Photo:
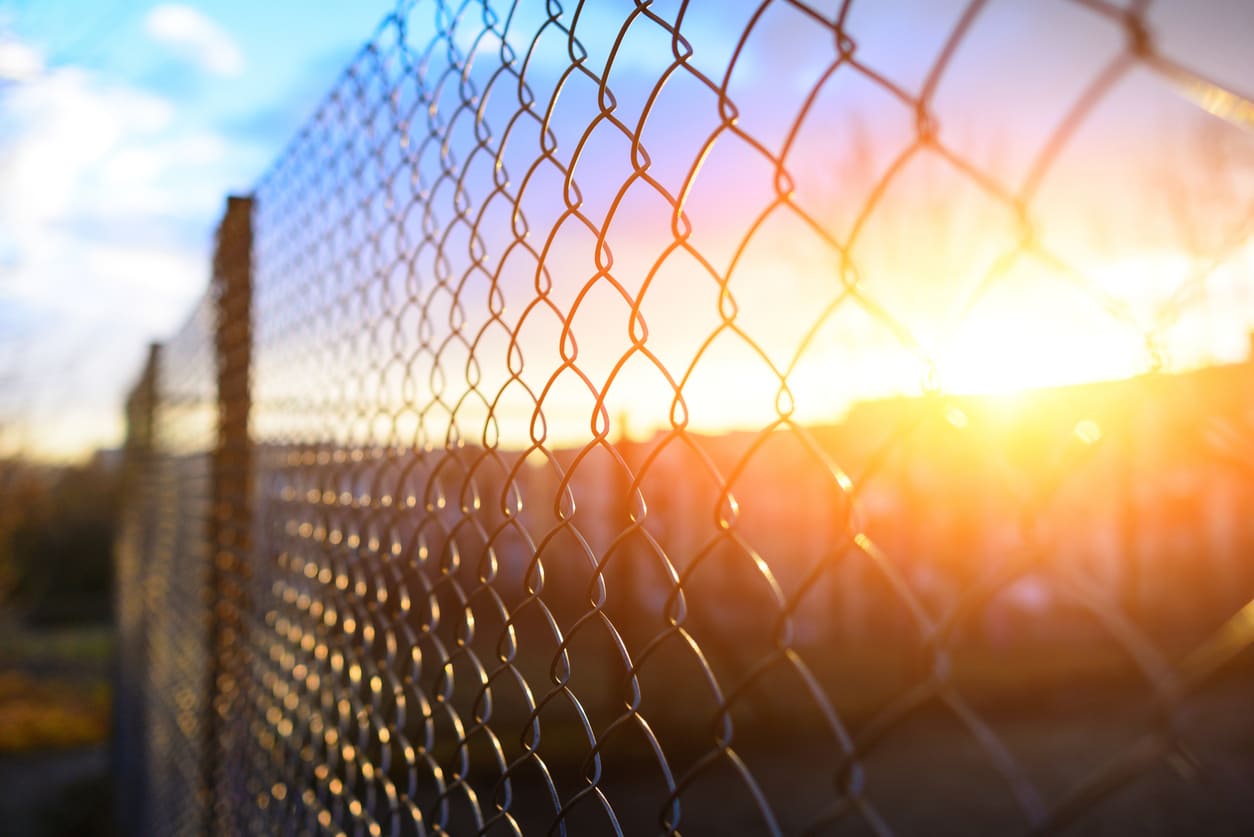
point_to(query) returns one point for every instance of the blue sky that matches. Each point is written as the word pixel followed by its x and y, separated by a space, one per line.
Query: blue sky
pixel 123 126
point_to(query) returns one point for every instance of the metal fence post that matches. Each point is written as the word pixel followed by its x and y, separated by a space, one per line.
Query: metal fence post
pixel 230 516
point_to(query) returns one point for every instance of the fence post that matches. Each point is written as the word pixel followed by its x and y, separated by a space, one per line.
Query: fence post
pixel 231 510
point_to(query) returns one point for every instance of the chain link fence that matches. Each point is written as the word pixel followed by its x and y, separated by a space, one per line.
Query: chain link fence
pixel 700 418
pixel 163 559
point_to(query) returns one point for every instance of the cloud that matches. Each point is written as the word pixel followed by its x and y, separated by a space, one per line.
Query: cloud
pixel 106 202
pixel 19 61
pixel 196 37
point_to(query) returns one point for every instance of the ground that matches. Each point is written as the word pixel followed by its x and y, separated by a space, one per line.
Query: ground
pixel 54 724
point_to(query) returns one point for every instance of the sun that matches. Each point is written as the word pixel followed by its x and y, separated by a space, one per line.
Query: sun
pixel 1034 350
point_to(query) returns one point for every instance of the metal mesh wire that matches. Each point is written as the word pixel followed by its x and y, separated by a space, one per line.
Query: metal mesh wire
pixel 134 544
pixel 168 582
pixel 583 501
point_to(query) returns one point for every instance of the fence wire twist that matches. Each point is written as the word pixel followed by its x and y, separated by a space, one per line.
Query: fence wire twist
pixel 546 521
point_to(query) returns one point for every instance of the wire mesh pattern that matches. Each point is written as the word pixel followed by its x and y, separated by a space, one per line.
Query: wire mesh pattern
pixel 133 545
pixel 167 581
pixel 575 511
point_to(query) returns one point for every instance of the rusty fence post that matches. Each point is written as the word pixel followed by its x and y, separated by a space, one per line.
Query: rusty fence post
pixel 231 510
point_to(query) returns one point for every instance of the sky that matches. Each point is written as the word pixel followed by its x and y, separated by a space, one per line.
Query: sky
pixel 124 125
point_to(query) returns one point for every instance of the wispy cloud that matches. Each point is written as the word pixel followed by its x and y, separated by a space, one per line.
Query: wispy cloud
pixel 195 37
pixel 18 61
pixel 96 176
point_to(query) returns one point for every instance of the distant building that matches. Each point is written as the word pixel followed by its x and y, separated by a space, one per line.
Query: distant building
pixel 1138 494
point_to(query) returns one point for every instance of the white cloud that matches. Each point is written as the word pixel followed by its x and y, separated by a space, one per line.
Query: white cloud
pixel 202 40
pixel 19 61
pixel 68 126
pixel 99 186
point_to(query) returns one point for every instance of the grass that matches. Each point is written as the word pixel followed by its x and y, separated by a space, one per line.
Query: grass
pixel 46 713
pixel 90 645
pixel 54 689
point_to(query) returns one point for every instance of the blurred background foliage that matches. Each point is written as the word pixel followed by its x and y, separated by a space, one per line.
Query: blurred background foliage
pixel 56 645
pixel 56 533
